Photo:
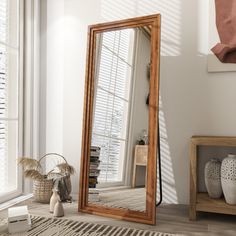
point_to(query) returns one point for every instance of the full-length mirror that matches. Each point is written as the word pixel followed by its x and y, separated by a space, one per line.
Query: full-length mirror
pixel 120 118
pixel 118 174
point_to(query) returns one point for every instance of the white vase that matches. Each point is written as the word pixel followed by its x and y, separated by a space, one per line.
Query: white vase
pixel 53 200
pixel 212 178
pixel 228 178
pixel 58 209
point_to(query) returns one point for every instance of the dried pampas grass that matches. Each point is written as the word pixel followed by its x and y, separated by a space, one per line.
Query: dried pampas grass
pixel 33 169
pixel 29 163
pixel 34 174
pixel 65 168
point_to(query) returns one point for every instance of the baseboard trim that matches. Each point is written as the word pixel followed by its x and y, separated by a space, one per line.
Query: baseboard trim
pixel 15 201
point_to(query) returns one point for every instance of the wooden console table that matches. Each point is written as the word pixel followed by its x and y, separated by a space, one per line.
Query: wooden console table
pixel 201 202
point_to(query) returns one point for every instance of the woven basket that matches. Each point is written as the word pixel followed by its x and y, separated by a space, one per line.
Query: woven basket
pixel 42 189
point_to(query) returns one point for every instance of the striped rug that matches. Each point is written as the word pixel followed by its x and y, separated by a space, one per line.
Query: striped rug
pixel 62 227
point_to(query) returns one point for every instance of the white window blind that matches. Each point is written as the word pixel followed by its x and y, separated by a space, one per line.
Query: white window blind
pixel 9 96
pixel 113 79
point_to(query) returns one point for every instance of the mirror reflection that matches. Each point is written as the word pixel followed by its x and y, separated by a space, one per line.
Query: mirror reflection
pixel 119 145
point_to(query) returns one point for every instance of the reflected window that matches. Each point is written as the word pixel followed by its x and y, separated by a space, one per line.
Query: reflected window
pixel 114 71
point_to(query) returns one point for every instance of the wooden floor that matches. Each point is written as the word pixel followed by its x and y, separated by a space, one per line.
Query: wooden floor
pixel 131 198
pixel 170 219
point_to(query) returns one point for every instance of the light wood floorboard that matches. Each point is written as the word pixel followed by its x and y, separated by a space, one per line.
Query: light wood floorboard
pixel 170 219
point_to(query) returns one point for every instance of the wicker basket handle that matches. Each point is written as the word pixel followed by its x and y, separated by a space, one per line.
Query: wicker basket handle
pixel 54 154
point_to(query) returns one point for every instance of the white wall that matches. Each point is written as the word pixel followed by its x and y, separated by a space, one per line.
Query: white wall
pixel 139 110
pixel 52 78
pixel 192 100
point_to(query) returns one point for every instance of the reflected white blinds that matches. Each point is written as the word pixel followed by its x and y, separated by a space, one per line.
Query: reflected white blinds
pixel 113 79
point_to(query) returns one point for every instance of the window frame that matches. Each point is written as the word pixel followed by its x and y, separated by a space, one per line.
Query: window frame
pixel 20 57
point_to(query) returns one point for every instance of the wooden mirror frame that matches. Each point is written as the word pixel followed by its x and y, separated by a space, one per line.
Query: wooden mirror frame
pixel 149 215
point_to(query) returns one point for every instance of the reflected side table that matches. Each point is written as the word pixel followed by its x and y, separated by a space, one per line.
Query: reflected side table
pixel 140 159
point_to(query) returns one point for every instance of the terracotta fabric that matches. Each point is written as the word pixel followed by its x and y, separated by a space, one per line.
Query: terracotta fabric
pixel 226 26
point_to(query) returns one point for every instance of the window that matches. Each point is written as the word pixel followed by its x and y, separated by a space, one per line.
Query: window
pixel 112 99
pixel 9 98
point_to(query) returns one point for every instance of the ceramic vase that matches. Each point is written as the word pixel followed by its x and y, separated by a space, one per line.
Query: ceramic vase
pixel 212 178
pixel 228 178
pixel 58 209
pixel 53 200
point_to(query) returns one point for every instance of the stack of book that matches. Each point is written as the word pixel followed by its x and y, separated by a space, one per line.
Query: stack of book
pixel 94 173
